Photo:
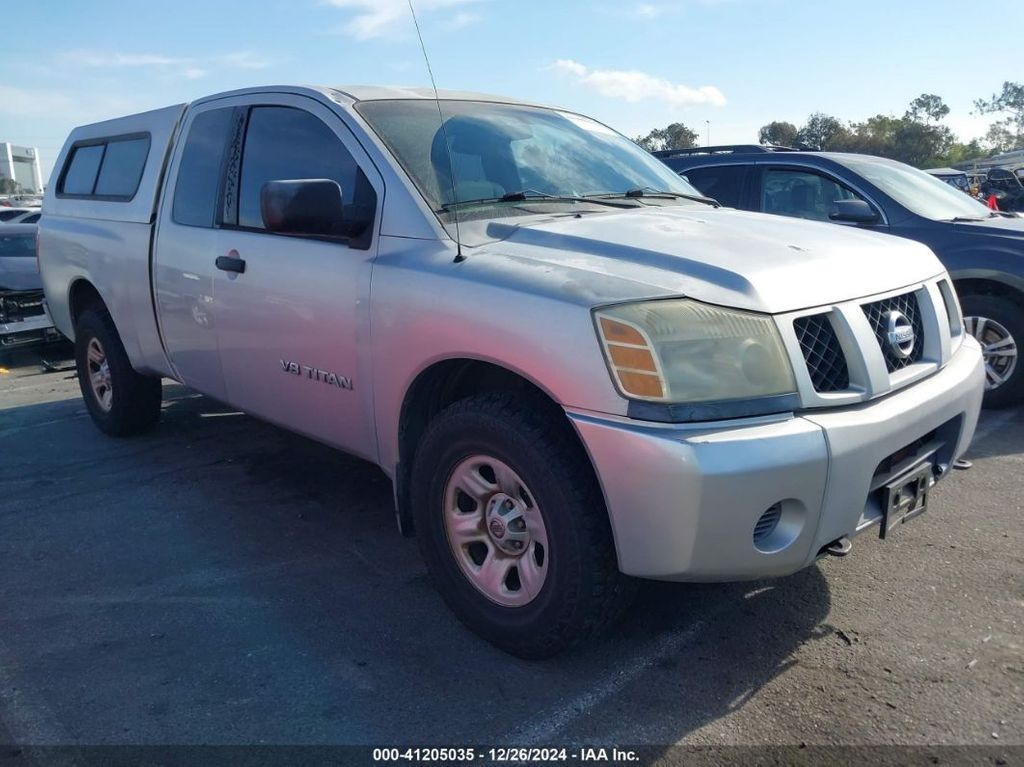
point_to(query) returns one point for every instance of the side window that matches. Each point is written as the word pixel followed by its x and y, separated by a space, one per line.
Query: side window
pixel 33 219
pixel 723 182
pixel 196 188
pixel 80 177
pixel 122 167
pixel 282 143
pixel 110 169
pixel 801 194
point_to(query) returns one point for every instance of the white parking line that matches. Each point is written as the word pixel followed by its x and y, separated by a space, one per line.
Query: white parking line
pixel 545 726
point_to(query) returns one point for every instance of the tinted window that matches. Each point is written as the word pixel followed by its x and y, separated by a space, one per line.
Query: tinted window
pixel 724 183
pixel 802 194
pixel 195 192
pixel 7 215
pixel 283 143
pixel 122 167
pixel 23 245
pixel 34 218
pixel 80 177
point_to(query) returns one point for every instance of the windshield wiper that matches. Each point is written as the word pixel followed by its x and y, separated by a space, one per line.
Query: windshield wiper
pixel 649 191
pixel 524 195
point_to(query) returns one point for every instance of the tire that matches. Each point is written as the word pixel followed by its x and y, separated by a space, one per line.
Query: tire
pixel 581 591
pixel 1003 317
pixel 123 403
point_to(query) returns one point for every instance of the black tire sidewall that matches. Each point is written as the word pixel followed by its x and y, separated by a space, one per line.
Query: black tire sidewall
pixel 123 417
pixel 1011 316
pixel 517 629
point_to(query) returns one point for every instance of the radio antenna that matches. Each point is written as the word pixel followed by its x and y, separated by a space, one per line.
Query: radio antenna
pixel 444 134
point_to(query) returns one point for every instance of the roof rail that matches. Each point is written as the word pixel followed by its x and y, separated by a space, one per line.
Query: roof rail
pixel 724 149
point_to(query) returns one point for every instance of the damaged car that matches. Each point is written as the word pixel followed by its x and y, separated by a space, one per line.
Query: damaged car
pixel 23 316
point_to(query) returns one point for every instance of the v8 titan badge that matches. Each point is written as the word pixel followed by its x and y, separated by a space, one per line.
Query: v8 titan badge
pixel 324 376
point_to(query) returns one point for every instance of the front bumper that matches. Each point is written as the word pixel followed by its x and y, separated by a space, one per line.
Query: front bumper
pixel 684 498
pixel 30 330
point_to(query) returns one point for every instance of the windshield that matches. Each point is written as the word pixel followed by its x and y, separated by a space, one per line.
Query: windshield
pixel 505 149
pixel 22 245
pixel 957 182
pixel 916 191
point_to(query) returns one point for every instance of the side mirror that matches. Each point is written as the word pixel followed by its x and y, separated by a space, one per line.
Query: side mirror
pixel 303 206
pixel 853 212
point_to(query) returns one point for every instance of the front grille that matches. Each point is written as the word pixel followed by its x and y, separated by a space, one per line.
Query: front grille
pixel 825 360
pixel 16 306
pixel 878 313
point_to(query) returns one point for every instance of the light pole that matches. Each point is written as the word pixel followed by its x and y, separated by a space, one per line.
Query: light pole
pixel 708 123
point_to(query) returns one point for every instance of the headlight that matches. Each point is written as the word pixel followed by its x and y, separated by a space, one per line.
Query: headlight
pixel 682 351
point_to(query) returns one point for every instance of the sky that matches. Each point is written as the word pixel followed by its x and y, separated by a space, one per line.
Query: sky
pixel 725 65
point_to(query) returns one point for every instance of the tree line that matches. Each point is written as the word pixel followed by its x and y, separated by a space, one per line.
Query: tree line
pixel 918 138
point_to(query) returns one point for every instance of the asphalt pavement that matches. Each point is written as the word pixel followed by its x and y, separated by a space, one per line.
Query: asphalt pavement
pixel 223 581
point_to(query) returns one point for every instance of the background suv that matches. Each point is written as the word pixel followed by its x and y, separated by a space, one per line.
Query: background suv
pixel 983 250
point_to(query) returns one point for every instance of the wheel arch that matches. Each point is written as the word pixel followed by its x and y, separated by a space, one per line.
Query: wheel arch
pixel 81 295
pixel 444 382
pixel 985 282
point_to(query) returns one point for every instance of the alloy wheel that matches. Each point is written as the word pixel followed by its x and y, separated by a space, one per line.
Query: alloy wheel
pixel 998 348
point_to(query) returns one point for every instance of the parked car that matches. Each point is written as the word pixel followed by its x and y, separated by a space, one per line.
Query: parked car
pixel 23 316
pixel 983 251
pixel 574 368
pixel 955 178
pixel 20 215
pixel 1005 187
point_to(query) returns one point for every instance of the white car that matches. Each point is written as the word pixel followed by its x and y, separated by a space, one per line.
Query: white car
pixel 20 215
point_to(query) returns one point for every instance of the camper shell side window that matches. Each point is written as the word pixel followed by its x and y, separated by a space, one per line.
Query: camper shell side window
pixel 108 168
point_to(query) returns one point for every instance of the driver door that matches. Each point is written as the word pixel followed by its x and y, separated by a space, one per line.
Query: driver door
pixel 293 310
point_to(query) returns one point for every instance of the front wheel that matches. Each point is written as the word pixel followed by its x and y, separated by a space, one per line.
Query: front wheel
pixel 120 401
pixel 998 325
pixel 513 527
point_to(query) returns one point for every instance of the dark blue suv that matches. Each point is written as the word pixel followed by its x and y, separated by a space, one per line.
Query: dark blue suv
pixel 983 250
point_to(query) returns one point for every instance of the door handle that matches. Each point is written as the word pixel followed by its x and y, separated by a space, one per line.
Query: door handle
pixel 231 263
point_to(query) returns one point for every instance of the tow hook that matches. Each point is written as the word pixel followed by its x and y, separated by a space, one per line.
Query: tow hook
pixel 840 547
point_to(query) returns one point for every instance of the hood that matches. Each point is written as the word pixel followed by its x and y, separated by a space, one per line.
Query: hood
pixel 19 273
pixel 1008 228
pixel 732 258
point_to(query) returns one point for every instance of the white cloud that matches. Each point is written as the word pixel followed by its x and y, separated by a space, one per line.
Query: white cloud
pixel 100 59
pixel 389 18
pixel 30 103
pixel 63 110
pixel 463 19
pixel 633 86
pixel 649 10
pixel 243 60
pixel 189 68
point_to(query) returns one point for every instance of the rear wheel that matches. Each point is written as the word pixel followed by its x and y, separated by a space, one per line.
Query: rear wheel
pixel 998 325
pixel 513 526
pixel 120 401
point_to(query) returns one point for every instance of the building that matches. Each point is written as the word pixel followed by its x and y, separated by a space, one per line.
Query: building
pixel 21 163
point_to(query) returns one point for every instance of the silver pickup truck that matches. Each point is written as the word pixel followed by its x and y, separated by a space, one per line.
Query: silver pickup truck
pixel 575 369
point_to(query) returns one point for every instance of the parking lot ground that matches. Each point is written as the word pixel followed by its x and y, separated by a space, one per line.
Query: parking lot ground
pixel 223 581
